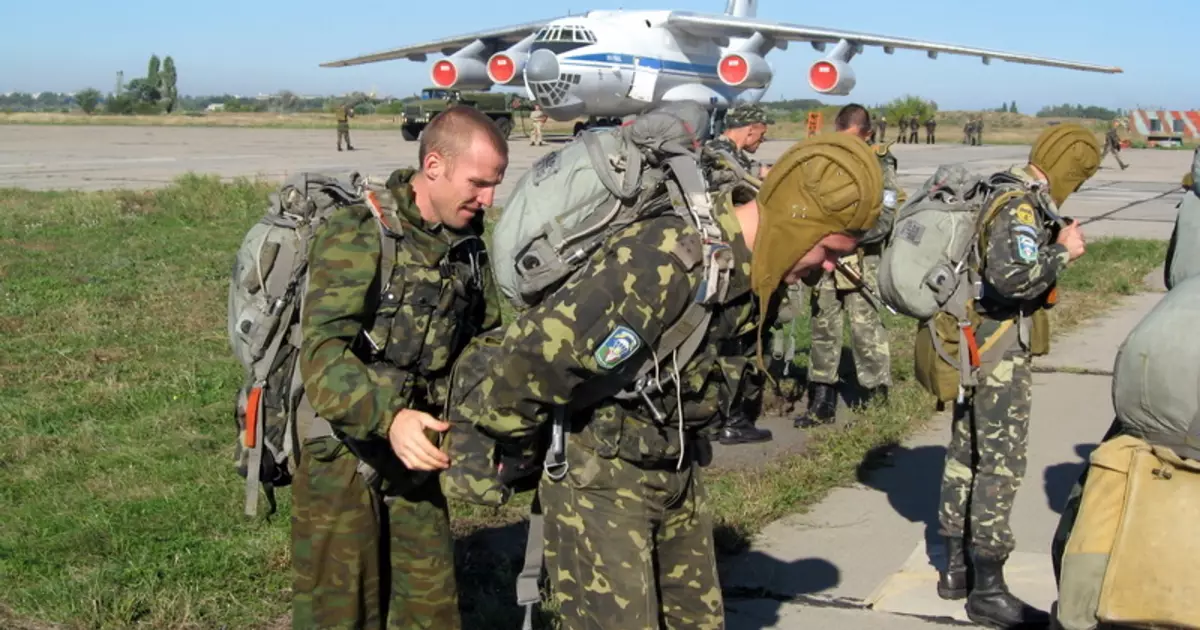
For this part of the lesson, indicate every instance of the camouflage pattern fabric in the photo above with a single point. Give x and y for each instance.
(723, 143)
(343, 532)
(630, 547)
(1112, 144)
(343, 114)
(1021, 264)
(747, 114)
(626, 468)
(361, 363)
(835, 294)
(868, 337)
(995, 425)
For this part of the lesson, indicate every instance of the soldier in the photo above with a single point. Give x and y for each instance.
(344, 113)
(1112, 144)
(745, 129)
(882, 124)
(371, 539)
(538, 118)
(978, 129)
(969, 131)
(902, 138)
(914, 129)
(985, 460)
(836, 293)
(930, 127)
(629, 540)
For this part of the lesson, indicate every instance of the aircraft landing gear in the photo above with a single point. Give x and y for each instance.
(593, 122)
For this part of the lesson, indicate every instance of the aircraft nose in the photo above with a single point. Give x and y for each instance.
(542, 66)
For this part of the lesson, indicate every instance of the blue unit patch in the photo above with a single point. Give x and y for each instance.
(1027, 248)
(620, 344)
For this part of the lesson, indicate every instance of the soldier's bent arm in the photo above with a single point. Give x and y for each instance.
(1016, 264)
(338, 304)
(893, 197)
(582, 344)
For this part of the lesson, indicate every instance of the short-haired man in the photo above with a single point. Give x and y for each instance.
(371, 539)
(837, 293)
(628, 531)
(745, 130)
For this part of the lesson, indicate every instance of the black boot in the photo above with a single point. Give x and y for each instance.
(822, 407)
(991, 605)
(740, 430)
(878, 394)
(953, 582)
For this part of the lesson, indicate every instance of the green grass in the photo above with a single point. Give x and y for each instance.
(118, 495)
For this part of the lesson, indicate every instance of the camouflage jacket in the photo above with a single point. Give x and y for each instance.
(343, 113)
(365, 358)
(583, 344)
(1020, 258)
(723, 143)
(893, 196)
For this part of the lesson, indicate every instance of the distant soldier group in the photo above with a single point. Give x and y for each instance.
(910, 130)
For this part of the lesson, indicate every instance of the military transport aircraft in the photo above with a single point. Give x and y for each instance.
(609, 64)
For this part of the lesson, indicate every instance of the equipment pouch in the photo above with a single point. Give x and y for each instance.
(1039, 338)
(937, 374)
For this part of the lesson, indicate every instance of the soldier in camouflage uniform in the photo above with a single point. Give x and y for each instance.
(344, 113)
(914, 129)
(969, 131)
(930, 127)
(985, 461)
(836, 294)
(902, 138)
(628, 526)
(371, 539)
(1112, 144)
(745, 129)
(882, 125)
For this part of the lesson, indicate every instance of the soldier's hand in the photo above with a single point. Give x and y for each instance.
(407, 437)
(1071, 237)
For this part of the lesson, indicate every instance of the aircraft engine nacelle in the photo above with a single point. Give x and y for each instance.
(507, 68)
(831, 76)
(744, 70)
(463, 73)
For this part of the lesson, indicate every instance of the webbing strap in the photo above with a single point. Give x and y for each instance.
(600, 163)
(255, 464)
(528, 594)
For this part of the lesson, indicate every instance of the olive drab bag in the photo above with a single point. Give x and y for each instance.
(929, 271)
(265, 293)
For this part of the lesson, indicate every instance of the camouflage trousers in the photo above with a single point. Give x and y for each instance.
(366, 561)
(630, 547)
(985, 460)
(868, 338)
(1115, 150)
(343, 133)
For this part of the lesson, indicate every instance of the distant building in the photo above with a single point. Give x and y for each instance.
(1165, 126)
(215, 107)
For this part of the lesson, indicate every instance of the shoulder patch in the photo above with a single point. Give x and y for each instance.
(620, 344)
(1024, 214)
(1027, 248)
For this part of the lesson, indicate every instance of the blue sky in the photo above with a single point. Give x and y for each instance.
(262, 46)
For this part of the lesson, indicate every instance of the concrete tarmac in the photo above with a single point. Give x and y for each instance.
(1135, 202)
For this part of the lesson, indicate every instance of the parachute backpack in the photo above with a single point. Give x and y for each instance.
(562, 211)
(265, 294)
(930, 271)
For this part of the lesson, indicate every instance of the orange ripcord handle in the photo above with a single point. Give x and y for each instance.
(1052, 297)
(377, 210)
(251, 436)
(972, 346)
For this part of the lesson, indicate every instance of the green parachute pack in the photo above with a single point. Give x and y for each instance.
(1184, 262)
(265, 292)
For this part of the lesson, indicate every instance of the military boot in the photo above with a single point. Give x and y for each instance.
(991, 605)
(822, 407)
(740, 430)
(953, 582)
(878, 394)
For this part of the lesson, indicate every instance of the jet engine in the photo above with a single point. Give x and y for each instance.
(507, 68)
(831, 76)
(463, 73)
(744, 70)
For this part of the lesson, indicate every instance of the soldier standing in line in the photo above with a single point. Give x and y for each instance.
(914, 129)
(882, 124)
(835, 294)
(1112, 144)
(538, 118)
(902, 137)
(930, 127)
(371, 540)
(628, 528)
(969, 131)
(978, 128)
(344, 113)
(985, 460)
(745, 129)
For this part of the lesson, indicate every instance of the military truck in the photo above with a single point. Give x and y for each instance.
(499, 106)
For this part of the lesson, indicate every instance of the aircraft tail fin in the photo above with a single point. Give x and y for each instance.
(742, 8)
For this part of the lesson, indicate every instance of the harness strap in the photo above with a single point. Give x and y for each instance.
(528, 594)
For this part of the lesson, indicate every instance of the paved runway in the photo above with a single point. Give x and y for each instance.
(1139, 201)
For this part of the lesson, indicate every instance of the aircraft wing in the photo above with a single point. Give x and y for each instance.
(447, 46)
(720, 26)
